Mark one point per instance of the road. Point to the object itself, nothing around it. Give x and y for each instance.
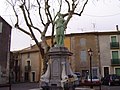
(28, 86)
(22, 86)
(110, 88)
(103, 87)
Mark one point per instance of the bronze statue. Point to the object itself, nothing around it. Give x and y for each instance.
(60, 28)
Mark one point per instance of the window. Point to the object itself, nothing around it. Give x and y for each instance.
(28, 63)
(28, 56)
(83, 56)
(117, 71)
(95, 71)
(113, 38)
(114, 42)
(115, 55)
(82, 42)
(1, 27)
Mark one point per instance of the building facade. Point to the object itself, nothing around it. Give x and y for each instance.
(105, 55)
(30, 64)
(5, 38)
(80, 43)
(110, 53)
(15, 63)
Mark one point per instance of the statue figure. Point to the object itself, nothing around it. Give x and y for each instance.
(60, 28)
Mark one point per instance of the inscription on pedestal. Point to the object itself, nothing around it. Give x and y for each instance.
(55, 68)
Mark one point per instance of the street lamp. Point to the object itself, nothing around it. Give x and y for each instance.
(90, 52)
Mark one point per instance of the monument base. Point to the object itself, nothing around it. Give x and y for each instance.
(59, 75)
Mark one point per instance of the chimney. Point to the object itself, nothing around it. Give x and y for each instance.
(117, 28)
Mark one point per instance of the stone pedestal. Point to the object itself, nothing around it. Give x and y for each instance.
(59, 75)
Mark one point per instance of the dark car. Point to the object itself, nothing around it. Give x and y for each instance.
(111, 79)
(95, 81)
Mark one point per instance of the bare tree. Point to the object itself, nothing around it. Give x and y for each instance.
(46, 12)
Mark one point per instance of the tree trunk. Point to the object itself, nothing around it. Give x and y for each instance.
(44, 48)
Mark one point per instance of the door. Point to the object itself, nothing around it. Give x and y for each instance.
(106, 71)
(26, 77)
(33, 76)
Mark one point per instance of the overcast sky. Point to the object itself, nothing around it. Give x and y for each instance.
(102, 15)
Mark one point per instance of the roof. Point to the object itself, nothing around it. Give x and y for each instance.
(5, 22)
(91, 33)
(33, 48)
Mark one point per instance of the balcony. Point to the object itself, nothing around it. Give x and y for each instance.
(115, 62)
(27, 68)
(114, 45)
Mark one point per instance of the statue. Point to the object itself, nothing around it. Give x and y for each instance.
(60, 28)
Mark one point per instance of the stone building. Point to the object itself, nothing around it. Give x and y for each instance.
(26, 65)
(110, 52)
(106, 52)
(30, 64)
(105, 57)
(80, 43)
(15, 63)
(5, 38)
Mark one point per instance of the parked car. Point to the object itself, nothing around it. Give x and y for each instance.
(111, 79)
(77, 83)
(95, 81)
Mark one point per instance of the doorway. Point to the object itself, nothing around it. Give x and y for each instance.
(106, 71)
(33, 76)
(26, 78)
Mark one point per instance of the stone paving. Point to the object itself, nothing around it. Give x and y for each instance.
(35, 86)
(21, 86)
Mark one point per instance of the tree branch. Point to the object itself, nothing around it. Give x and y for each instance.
(68, 5)
(83, 8)
(40, 13)
(27, 23)
(31, 24)
(47, 12)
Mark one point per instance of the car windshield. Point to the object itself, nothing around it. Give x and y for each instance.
(115, 77)
(94, 77)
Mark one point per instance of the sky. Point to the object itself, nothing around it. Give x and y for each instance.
(99, 15)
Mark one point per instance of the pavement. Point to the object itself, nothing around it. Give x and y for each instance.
(21, 86)
(35, 86)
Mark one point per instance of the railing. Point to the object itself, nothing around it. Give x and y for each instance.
(114, 45)
(115, 62)
(27, 68)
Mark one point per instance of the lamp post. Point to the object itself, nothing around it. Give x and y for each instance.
(90, 54)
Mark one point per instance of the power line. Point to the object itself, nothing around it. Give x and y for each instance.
(102, 16)
(85, 15)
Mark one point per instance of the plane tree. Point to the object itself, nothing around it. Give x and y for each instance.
(44, 12)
